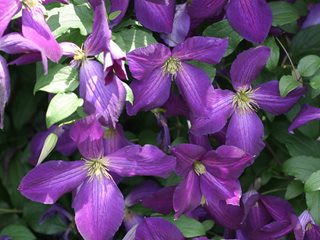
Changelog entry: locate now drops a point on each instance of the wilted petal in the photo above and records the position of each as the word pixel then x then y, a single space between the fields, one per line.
pixel 114 139
pixel 104 101
pixel 4 88
pixel 268 97
pixel 313 17
pixel 157 228
pixel 69 49
pixel 150 93
pixel 144 161
pixel 252 19
pixel 187 195
pixel 160 201
pixel 99 209
pixel 307 114
pixel 35 28
pixel 248 66
pixel 116 5
pixel 8 8
pixel 203 49
pixel 49 181
pixel 156 17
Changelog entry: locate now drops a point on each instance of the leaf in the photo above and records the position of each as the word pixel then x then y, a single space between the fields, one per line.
pixel 129 93
pixel 114 15
pixel 18 232
pixel 313 203
pixel 301 167
pixel 48 146
pixel 309 65
pixel 294 189
pixel 315 82
pixel 275 53
pixel 222 29
pixel 313 182
pixel 283 13
pixel 59 79
pixel 62 106
pixel 287 84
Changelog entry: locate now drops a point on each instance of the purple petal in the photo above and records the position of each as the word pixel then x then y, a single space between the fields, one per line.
pixel 143 61
pixel 175 106
pixel 116 5
pixel 157 228
pixel 313 17
pixel 4 88
pixel 252 19
pixel 35 28
pixel 114 139
pixel 88 135
pixel 186 155
pixel 204 49
pixel 14 43
pixel 248 66
pixel 69 49
pixel 307 114
pixel 65 144
pixel 114 61
pixel 200 140
pixel 305 219
pixel 246 131
pixel 156 17
pixel 104 101
pixel 268 97
pixel 49 181
pixel 99 209
pixel 51 1
pixel 187 195
pixel 314 232
pixel 278 208
pixel 227 161
pixel 8 8
pixel 160 201
pixel 150 93
pixel 144 161
pixel 131 219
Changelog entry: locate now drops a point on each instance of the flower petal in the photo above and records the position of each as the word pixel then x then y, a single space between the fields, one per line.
pixel 144 161
pixel 8 8
pixel 268 97
pixel 248 66
pixel 252 19
pixel 204 49
pixel 116 5
pixel 99 209
pixel 114 139
pixel 313 17
pixel 14 43
pixel 69 49
pixel 4 88
pixel 50 180
pixel 160 201
pixel 307 114
pixel 156 17
pixel 246 131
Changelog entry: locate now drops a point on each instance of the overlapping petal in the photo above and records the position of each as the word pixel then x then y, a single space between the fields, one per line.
pixel 8 8
pixel 116 5
pixel 114 139
pixel 308 113
pixel 4 88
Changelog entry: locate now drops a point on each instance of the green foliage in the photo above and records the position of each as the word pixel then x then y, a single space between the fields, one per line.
pixel 283 13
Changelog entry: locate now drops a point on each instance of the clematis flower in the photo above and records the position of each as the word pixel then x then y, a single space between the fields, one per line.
pixel 98 203
pixel 307 229
pixel 208 176
pixel 156 65
pixel 313 17
pixel 4 88
pixel 245 129
pixel 307 114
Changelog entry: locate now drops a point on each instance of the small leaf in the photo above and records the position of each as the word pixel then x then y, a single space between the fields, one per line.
pixel 294 189
pixel 129 93
pixel 18 232
pixel 313 182
pixel 114 15
pixel 283 13
pixel 62 106
pixel 309 65
pixel 48 146
pixel 313 203
pixel 275 53
pixel 287 84
pixel 315 82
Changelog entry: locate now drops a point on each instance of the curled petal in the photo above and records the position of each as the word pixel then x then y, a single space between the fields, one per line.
pixel 307 114
pixel 8 8
pixel 4 88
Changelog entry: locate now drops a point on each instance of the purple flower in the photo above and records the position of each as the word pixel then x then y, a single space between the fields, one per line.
pixel 307 114
pixel 306 228
pixel 313 17
pixel 208 176
pixel 156 65
pixel 245 129
pixel 4 88
pixel 98 203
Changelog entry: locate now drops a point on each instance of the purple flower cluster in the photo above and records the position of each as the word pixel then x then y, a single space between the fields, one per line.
pixel 166 83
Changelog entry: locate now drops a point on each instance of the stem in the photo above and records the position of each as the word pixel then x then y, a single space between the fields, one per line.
pixel 273 190
pixel 6 210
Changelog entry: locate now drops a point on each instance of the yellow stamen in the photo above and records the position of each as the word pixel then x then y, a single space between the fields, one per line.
pixel 203 201
pixel 79 55
pixel 172 66
pixel 97 168
pixel 243 101
pixel 31 3
pixel 199 168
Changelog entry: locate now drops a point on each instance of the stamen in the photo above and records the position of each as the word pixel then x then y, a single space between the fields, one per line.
pixel 97 168
pixel 203 200
pixel 172 66
pixel 243 101
pixel 199 168
pixel 31 3
pixel 79 55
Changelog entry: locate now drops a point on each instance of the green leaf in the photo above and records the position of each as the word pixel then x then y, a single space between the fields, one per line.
pixel 48 146
pixel 59 79
pixel 114 15
pixel 313 203
pixel 62 106
pixel 283 13
pixel 275 53
pixel 315 82
pixel 309 65
pixel 129 93
pixel 287 84
pixel 313 182
pixel 294 189
pixel 18 232
pixel 301 167
pixel 222 29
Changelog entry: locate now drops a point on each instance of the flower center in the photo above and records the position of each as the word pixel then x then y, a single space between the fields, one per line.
pixel 243 101
pixel 172 66
pixel 199 168
pixel 31 3
pixel 97 168
pixel 79 55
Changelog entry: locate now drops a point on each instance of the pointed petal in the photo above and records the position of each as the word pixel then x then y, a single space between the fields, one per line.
pixel 150 93
pixel 121 6
pixel 99 209
pixel 35 28
pixel 193 84
pixel 144 161
pixel 216 113
pixel 248 66
pixel 104 101
pixel 50 180
pixel 4 88
pixel 246 131
pixel 227 161
pixel 187 195
pixel 186 155
pixel 268 97
pixel 69 49
pixel 160 201
pixel 313 17
pixel 8 8
pixel 252 19
pixel 307 114
pixel 142 61
pixel 204 49
pixel 278 208
pixel 156 17
pixel 14 43
pixel 114 139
